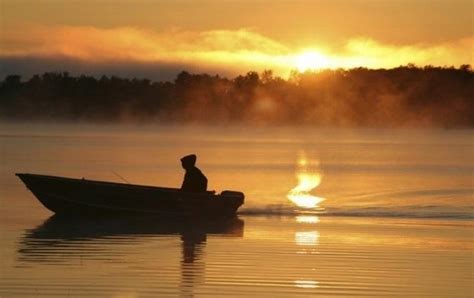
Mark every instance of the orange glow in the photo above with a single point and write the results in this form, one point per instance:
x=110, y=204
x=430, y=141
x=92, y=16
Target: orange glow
x=236, y=51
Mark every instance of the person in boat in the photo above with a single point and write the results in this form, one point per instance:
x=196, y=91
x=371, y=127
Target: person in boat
x=194, y=179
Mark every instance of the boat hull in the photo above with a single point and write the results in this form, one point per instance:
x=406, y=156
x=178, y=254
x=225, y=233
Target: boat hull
x=87, y=197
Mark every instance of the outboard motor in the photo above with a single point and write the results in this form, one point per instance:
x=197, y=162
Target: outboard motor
x=236, y=195
x=231, y=193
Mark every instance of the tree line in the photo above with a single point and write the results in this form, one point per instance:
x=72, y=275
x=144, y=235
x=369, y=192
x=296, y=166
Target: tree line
x=398, y=97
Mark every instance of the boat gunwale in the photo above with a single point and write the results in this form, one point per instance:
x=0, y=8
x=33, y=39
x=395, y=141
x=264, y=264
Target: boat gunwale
x=117, y=184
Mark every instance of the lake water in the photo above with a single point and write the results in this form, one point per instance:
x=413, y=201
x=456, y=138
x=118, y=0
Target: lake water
x=391, y=213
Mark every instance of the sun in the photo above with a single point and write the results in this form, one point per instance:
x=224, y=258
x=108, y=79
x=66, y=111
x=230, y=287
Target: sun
x=310, y=60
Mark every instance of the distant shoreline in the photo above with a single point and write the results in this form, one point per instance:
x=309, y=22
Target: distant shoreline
x=39, y=121
x=402, y=97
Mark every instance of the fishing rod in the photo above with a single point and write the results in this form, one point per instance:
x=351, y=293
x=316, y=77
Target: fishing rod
x=121, y=177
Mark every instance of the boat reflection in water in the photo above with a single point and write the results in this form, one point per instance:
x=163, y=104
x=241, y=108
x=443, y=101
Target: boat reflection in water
x=70, y=241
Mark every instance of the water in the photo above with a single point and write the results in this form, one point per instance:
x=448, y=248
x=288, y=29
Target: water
x=395, y=215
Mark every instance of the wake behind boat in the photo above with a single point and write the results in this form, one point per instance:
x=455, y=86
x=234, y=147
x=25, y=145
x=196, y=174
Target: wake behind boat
x=88, y=197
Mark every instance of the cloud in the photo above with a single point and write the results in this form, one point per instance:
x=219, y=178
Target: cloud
x=229, y=52
x=372, y=54
x=97, y=44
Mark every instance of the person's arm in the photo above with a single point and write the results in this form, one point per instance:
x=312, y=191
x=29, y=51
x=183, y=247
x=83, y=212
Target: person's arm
x=185, y=181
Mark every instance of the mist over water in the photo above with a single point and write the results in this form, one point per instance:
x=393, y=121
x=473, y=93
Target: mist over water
x=282, y=170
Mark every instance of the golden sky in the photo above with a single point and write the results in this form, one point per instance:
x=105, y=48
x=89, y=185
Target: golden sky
x=233, y=36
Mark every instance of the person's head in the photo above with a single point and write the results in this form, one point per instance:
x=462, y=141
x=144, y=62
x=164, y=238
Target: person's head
x=188, y=161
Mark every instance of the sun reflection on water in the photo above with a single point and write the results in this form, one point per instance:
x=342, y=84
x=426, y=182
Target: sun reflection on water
x=307, y=284
x=308, y=180
x=307, y=238
x=309, y=219
x=307, y=241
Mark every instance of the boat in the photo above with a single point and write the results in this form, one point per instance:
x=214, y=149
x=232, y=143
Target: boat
x=64, y=195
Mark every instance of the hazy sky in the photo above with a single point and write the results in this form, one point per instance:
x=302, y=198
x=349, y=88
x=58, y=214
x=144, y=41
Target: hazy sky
x=157, y=38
